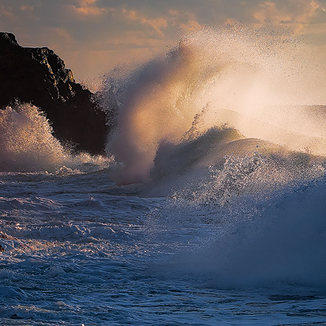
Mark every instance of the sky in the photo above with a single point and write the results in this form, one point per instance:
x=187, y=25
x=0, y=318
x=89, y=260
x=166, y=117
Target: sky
x=94, y=36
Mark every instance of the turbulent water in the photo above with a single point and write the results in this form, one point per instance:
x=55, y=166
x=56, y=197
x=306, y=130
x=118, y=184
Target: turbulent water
x=209, y=208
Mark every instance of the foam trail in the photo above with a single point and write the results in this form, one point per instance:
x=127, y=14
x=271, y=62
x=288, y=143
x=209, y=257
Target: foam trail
x=257, y=81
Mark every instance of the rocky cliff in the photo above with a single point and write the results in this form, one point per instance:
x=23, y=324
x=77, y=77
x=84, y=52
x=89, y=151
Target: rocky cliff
x=39, y=76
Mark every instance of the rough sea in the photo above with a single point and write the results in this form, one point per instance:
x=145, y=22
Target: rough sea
x=208, y=209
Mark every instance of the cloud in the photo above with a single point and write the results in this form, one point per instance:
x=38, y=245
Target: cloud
x=86, y=8
x=294, y=13
x=26, y=8
x=143, y=27
x=6, y=11
x=157, y=24
x=268, y=12
x=186, y=22
x=171, y=22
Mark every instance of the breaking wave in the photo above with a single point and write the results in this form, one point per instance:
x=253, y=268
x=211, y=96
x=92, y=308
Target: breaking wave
x=230, y=127
x=28, y=145
x=266, y=84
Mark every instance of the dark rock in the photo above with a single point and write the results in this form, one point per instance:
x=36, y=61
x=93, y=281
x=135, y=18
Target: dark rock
x=39, y=76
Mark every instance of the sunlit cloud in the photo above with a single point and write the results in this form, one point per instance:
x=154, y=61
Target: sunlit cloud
x=144, y=28
x=87, y=8
x=268, y=12
x=186, y=22
x=157, y=24
x=294, y=13
x=26, y=8
x=5, y=11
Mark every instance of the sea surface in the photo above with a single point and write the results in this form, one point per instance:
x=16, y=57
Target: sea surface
x=207, y=209
x=80, y=251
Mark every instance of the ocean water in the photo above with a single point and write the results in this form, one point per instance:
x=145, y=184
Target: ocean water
x=208, y=209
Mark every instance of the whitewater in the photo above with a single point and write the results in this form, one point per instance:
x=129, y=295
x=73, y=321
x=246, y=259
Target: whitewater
x=208, y=209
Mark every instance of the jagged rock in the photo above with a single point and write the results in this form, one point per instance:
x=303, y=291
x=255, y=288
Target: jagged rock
x=39, y=76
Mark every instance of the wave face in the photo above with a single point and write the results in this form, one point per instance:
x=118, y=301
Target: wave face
x=264, y=83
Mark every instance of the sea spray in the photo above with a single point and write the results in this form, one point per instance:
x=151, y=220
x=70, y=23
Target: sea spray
x=257, y=81
x=265, y=211
x=260, y=220
x=27, y=144
x=267, y=242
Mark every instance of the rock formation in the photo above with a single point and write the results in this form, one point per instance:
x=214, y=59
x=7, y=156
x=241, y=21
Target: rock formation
x=39, y=76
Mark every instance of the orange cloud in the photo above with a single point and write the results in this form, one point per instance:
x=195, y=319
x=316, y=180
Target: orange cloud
x=121, y=29
x=86, y=8
x=296, y=13
x=268, y=12
x=186, y=22
x=26, y=8
x=5, y=11
x=158, y=24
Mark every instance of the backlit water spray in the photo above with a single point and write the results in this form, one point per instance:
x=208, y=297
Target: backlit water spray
x=264, y=83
